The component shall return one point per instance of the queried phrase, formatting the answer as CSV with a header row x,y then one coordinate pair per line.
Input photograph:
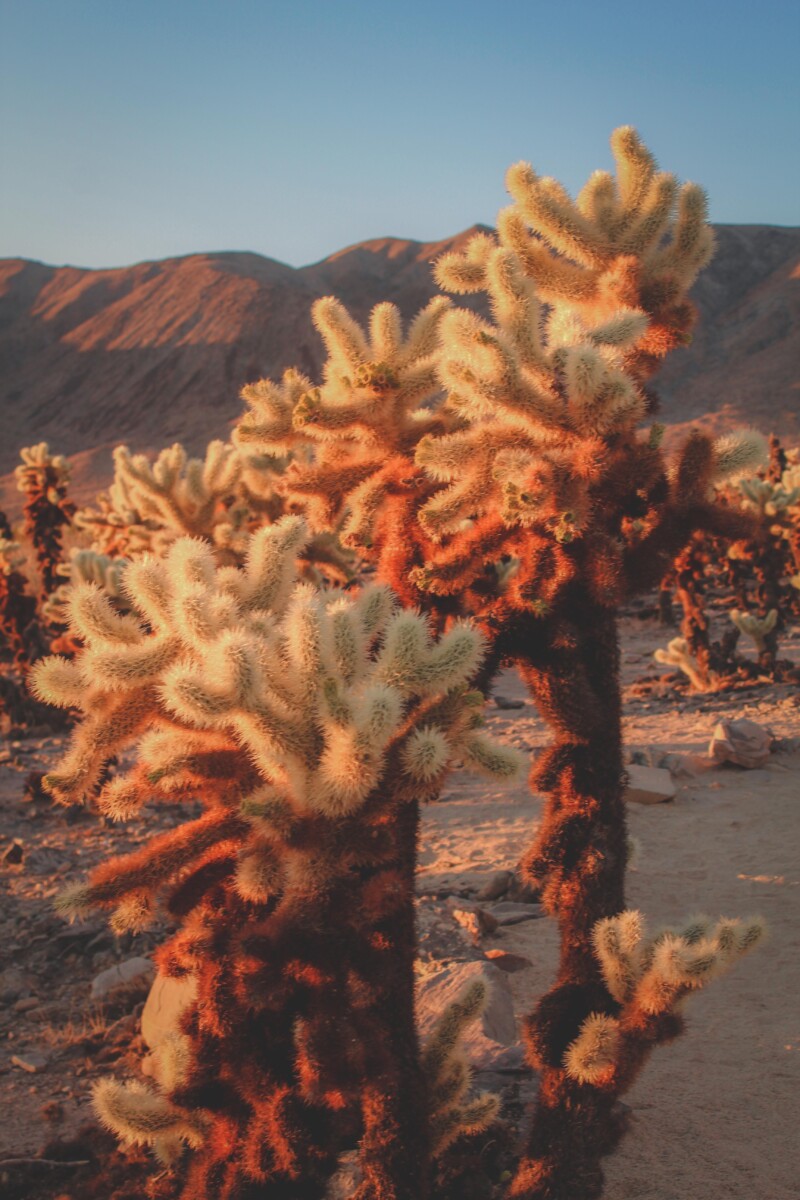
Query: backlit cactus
x,y
43,478
310,724
354,437
548,468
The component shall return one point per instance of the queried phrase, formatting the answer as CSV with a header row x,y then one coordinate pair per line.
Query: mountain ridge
x,y
158,351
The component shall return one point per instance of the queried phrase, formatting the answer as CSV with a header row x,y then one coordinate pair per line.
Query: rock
x,y
497,886
490,1042
26,1004
506,703
477,922
167,1000
344,1183
124,974
510,963
649,785
12,985
521,892
678,765
506,912
744,743
31,1061
14,854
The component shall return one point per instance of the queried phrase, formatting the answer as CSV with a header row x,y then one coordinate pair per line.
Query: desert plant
x,y
310,725
43,478
534,504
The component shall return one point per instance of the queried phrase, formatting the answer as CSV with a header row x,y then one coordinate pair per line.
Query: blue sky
x,y
139,129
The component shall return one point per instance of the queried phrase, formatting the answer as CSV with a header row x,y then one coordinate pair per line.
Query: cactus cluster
x,y
755,572
491,469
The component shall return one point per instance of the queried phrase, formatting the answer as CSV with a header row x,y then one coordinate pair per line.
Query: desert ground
x,y
713,1115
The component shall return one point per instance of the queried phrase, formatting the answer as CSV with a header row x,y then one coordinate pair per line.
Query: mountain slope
x,y
157,352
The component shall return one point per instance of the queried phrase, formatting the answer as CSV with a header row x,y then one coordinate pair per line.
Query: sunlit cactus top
x,y
246,684
635,239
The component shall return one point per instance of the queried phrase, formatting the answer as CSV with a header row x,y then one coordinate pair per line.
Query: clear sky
x,y
139,129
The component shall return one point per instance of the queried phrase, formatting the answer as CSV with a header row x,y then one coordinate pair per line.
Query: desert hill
x,y
157,352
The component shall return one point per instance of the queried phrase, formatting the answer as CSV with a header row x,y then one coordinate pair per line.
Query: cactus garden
x,y
398,793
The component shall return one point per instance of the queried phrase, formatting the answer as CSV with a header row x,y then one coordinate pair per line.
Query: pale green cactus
x,y
452,1114
86,566
770,499
755,627
648,978
679,654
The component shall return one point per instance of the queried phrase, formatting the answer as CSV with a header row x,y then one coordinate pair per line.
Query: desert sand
x,y
714,1115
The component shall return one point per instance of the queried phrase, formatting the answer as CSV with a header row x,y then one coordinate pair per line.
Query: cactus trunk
x,y
578,860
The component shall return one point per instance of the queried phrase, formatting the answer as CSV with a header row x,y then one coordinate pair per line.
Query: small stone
x,y
26,1004
509,913
744,743
31,1061
649,785
506,703
497,886
510,963
14,854
124,974
167,1000
476,921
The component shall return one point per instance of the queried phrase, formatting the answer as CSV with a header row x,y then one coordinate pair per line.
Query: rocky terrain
x,y
712,1115
157,352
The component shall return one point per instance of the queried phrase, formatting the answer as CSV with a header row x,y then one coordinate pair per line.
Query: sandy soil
x,y
712,1115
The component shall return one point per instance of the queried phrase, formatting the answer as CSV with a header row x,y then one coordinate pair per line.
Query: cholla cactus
x,y
17,607
646,982
679,654
548,466
634,241
354,437
310,724
149,505
453,1115
649,980
86,566
767,498
757,628
43,478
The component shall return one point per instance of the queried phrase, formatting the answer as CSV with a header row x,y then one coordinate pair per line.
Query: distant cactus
x,y
757,628
310,724
17,606
679,654
150,504
43,478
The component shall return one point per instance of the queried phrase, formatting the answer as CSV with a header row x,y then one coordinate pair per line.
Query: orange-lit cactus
x,y
43,478
310,724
